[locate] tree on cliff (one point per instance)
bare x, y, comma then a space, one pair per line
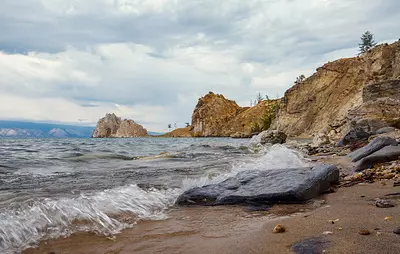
259, 98
300, 79
367, 42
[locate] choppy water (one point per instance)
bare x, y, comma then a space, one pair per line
54, 187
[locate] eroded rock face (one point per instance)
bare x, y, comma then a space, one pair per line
344, 92
216, 116
112, 126
261, 187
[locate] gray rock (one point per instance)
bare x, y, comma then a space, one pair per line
354, 135
375, 145
385, 130
310, 246
272, 137
384, 203
388, 153
265, 187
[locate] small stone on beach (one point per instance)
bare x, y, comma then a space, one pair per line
364, 232
279, 229
384, 203
327, 233
396, 231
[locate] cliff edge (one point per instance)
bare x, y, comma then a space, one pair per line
363, 90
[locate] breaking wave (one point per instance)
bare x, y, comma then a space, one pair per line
108, 212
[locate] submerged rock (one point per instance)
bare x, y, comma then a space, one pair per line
376, 144
295, 185
388, 153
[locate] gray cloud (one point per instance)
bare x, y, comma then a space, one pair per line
151, 53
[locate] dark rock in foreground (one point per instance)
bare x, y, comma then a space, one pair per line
388, 153
375, 145
310, 246
271, 186
354, 135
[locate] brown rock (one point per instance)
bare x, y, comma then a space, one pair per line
279, 229
343, 92
216, 116
179, 133
364, 232
112, 126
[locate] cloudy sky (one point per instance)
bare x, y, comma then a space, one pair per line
150, 60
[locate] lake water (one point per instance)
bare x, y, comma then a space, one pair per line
55, 187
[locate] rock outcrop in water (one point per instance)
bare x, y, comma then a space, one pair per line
216, 116
265, 187
112, 126
363, 91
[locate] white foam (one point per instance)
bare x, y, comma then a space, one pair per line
29, 223
104, 212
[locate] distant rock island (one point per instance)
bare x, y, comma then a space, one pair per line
112, 126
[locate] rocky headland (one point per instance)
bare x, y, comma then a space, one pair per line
112, 126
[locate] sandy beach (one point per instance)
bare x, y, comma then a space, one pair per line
238, 230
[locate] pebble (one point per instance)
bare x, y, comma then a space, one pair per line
327, 233
364, 232
279, 229
387, 218
384, 203
396, 231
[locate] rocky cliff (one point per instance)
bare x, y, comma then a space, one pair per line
112, 126
363, 90
216, 116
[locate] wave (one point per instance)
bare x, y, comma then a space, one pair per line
108, 212
104, 213
95, 156
273, 157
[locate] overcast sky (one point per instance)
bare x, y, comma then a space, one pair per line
150, 60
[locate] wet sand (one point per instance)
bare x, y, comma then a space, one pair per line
237, 230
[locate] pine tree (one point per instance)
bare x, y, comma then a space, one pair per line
367, 42
300, 79
259, 98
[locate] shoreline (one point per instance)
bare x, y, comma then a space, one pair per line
233, 229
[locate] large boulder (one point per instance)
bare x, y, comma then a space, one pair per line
112, 126
265, 187
375, 145
271, 137
388, 153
